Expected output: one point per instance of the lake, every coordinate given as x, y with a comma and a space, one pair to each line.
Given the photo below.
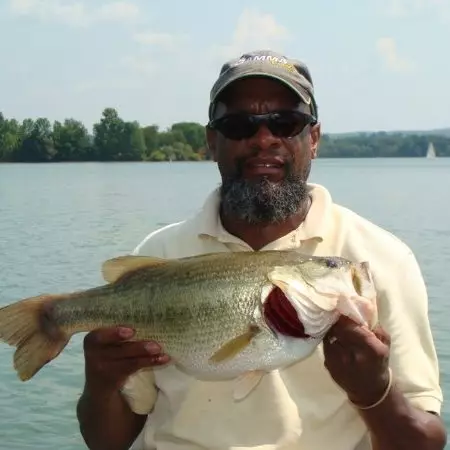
59, 222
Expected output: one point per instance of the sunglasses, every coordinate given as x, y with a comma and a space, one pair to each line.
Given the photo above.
282, 124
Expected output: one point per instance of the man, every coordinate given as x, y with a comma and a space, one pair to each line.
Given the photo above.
263, 133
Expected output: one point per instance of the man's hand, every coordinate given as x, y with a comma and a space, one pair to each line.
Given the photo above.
111, 358
106, 420
358, 360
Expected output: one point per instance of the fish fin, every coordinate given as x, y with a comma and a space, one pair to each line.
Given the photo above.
29, 326
115, 268
245, 383
362, 308
234, 346
363, 281
293, 285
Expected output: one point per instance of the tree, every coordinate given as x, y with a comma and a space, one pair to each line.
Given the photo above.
108, 135
9, 138
36, 143
117, 140
151, 138
71, 141
193, 133
133, 142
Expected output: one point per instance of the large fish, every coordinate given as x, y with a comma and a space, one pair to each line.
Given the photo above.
218, 316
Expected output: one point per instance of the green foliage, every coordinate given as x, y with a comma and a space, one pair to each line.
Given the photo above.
114, 139
382, 144
71, 141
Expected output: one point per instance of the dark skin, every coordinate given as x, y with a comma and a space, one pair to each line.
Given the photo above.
258, 96
106, 421
356, 361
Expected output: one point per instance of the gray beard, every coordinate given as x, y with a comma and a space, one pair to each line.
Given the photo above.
262, 201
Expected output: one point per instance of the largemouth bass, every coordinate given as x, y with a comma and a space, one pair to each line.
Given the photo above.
218, 316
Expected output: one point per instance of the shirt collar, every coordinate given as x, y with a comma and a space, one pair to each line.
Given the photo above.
313, 227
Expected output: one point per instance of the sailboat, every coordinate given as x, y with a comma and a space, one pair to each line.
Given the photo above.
431, 152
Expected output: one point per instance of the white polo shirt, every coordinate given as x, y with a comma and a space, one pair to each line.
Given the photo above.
299, 407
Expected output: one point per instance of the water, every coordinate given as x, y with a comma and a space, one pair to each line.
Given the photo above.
59, 222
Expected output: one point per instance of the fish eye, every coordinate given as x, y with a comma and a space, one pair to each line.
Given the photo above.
331, 263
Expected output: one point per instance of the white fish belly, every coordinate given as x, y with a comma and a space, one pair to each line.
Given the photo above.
266, 352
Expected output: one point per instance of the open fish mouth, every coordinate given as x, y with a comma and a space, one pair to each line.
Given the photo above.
282, 316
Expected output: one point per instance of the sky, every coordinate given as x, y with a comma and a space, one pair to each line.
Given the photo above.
376, 64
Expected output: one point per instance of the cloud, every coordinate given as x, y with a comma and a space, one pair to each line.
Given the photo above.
75, 13
387, 50
402, 8
150, 59
118, 11
254, 30
408, 8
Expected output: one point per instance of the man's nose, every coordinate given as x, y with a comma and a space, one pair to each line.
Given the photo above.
263, 139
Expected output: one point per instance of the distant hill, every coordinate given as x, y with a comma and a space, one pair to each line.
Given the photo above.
385, 144
438, 132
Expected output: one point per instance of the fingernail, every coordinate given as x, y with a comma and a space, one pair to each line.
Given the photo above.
152, 347
126, 332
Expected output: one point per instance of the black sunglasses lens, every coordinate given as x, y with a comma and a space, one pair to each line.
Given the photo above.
244, 126
236, 127
287, 124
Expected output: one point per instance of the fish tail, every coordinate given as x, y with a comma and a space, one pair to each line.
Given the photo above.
30, 326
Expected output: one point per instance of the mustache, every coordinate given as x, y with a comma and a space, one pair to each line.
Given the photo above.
242, 161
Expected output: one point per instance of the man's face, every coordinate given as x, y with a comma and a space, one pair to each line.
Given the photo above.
264, 174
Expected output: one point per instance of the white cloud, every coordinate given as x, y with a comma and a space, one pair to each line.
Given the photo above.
23, 6
406, 8
75, 13
118, 11
402, 8
387, 49
254, 30
149, 60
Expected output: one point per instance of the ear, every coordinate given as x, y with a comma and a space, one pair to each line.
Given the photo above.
211, 140
315, 139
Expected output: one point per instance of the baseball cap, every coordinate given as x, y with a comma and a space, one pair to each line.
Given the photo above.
293, 73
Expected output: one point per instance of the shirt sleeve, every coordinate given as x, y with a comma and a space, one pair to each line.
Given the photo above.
140, 391
404, 314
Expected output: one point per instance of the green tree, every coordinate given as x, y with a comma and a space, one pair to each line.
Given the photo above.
117, 140
133, 142
108, 135
151, 136
193, 133
9, 138
36, 144
71, 141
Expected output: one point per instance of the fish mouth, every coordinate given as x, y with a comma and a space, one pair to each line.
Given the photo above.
282, 316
